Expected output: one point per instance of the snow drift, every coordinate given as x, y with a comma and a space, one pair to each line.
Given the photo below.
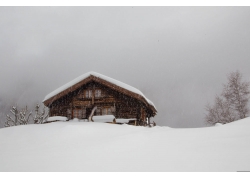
88, 146
57, 118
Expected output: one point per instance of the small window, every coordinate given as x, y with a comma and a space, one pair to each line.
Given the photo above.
106, 111
80, 95
88, 93
97, 93
98, 111
109, 111
69, 113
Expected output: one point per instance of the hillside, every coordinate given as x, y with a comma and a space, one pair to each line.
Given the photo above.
88, 146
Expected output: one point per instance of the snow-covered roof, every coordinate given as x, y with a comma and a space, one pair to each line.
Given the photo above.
106, 78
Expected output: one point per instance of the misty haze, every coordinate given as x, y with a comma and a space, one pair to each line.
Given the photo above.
179, 57
129, 89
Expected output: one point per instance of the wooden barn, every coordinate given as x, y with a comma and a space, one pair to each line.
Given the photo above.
95, 94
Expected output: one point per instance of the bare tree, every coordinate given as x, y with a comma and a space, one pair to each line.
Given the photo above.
220, 112
237, 93
232, 105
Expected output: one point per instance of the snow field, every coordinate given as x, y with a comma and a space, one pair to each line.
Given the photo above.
88, 146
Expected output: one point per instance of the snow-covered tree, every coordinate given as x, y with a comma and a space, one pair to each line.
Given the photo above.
233, 103
40, 117
20, 117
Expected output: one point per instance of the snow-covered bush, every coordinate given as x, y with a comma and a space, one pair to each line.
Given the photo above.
40, 117
57, 118
21, 117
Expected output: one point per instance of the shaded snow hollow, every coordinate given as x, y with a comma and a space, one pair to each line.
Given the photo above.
111, 80
87, 146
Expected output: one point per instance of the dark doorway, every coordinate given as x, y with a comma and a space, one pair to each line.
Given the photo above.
88, 112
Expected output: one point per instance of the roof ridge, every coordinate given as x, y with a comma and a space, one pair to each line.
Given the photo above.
101, 76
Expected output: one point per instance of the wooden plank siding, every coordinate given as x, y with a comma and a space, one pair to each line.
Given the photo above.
121, 104
101, 82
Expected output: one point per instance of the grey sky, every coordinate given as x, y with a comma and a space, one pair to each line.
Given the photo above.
177, 56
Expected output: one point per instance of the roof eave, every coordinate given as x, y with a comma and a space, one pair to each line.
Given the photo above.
50, 100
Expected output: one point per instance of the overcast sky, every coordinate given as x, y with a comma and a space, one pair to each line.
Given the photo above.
178, 57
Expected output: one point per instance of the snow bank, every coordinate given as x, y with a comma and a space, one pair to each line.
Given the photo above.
87, 146
86, 75
218, 124
123, 120
75, 120
59, 118
104, 118
109, 118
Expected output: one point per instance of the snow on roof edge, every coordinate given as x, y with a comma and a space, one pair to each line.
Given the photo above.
86, 75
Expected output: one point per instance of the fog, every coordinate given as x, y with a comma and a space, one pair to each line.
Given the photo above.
179, 57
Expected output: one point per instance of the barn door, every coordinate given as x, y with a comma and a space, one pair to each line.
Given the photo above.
79, 113
75, 113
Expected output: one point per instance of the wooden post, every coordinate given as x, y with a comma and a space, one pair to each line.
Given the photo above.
149, 122
92, 113
93, 96
72, 114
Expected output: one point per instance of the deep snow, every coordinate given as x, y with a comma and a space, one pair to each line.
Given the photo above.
59, 118
88, 146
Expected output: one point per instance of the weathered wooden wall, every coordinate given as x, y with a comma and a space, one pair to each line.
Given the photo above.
122, 106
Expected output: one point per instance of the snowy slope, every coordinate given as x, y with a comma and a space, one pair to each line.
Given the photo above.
88, 146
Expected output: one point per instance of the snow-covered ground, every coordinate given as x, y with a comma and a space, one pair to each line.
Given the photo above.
88, 146
58, 118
